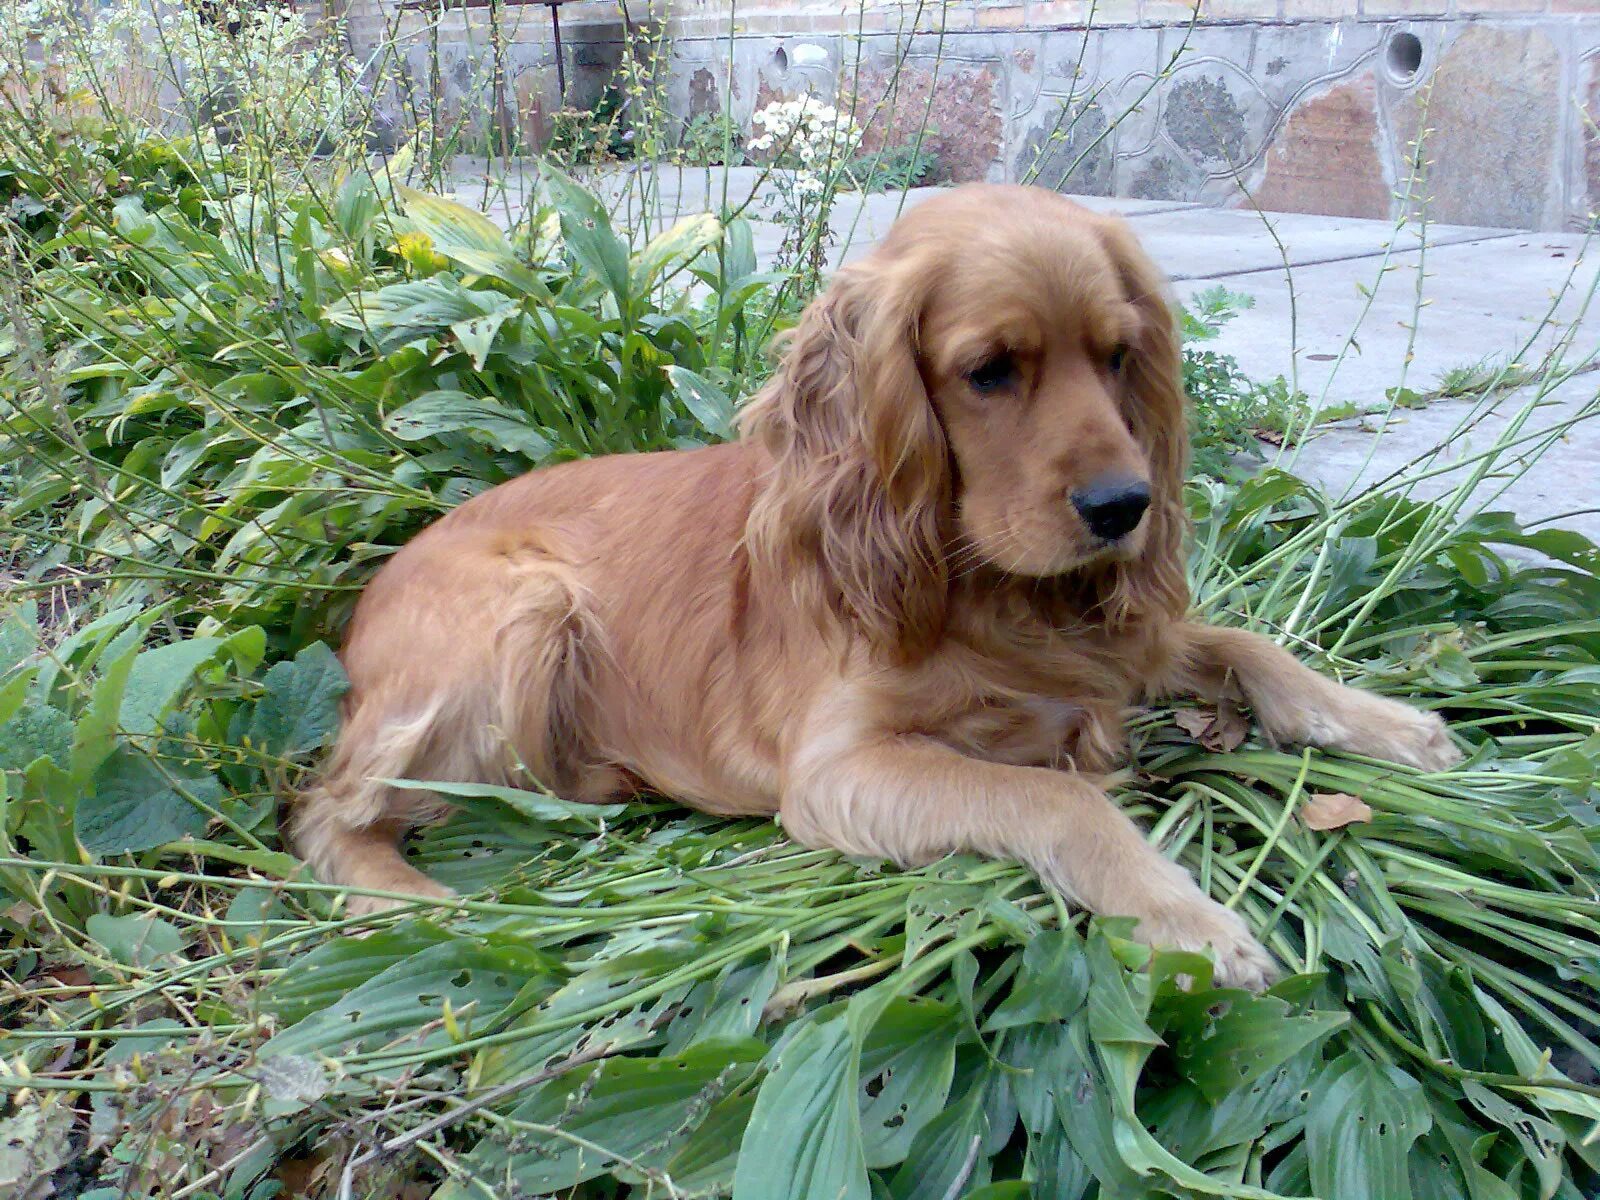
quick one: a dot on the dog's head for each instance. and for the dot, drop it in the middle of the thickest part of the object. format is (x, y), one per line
(997, 385)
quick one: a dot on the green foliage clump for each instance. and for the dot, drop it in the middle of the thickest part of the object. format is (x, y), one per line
(1229, 413)
(710, 140)
(892, 169)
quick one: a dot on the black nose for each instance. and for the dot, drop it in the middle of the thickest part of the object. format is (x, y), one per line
(1111, 508)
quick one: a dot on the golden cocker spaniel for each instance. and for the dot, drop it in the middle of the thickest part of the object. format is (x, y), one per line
(906, 611)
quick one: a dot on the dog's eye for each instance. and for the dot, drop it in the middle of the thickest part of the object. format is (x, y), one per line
(1000, 371)
(1119, 356)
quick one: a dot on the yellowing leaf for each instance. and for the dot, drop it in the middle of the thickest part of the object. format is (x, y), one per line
(1333, 810)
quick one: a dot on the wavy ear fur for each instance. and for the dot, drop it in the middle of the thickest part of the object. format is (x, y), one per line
(1156, 584)
(854, 511)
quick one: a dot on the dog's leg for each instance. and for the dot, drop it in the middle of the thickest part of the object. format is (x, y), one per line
(912, 799)
(1296, 704)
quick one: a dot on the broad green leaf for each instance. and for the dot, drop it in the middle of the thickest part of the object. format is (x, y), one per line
(341, 964)
(688, 238)
(1230, 1039)
(1361, 1122)
(907, 1060)
(445, 412)
(586, 229)
(945, 1150)
(615, 1116)
(536, 806)
(448, 224)
(300, 708)
(1052, 983)
(140, 802)
(158, 677)
(95, 734)
(35, 731)
(135, 941)
(705, 401)
(477, 335)
(477, 980)
(804, 1137)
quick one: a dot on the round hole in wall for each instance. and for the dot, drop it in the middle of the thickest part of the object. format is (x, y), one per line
(1404, 56)
(780, 59)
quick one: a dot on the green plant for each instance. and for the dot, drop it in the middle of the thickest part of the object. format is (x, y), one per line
(591, 135)
(893, 169)
(262, 404)
(1229, 413)
(711, 140)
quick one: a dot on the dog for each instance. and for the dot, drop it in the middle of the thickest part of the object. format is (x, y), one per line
(905, 612)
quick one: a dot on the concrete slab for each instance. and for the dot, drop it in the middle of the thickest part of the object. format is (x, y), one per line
(1429, 450)
(1217, 243)
(1508, 297)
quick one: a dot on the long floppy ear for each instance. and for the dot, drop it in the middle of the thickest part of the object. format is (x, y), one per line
(853, 513)
(1156, 583)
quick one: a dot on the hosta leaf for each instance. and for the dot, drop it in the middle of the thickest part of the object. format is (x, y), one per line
(615, 1117)
(1361, 1122)
(477, 335)
(477, 980)
(1542, 1141)
(945, 1151)
(338, 966)
(1229, 1039)
(445, 412)
(301, 706)
(1052, 983)
(689, 237)
(586, 229)
(804, 1137)
(907, 1060)
(449, 224)
(705, 401)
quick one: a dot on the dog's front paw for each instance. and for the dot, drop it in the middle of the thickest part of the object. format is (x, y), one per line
(1203, 925)
(1398, 733)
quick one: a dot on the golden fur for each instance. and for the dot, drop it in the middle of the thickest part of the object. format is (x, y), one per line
(878, 614)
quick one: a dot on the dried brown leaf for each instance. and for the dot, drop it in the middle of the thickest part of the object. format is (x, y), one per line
(1323, 811)
(1220, 729)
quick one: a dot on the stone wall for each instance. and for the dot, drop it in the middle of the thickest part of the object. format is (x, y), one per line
(1297, 105)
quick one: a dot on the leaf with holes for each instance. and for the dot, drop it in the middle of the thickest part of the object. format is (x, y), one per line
(1226, 1040)
(624, 1117)
(1361, 1122)
(342, 964)
(477, 979)
(907, 1060)
(945, 1158)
